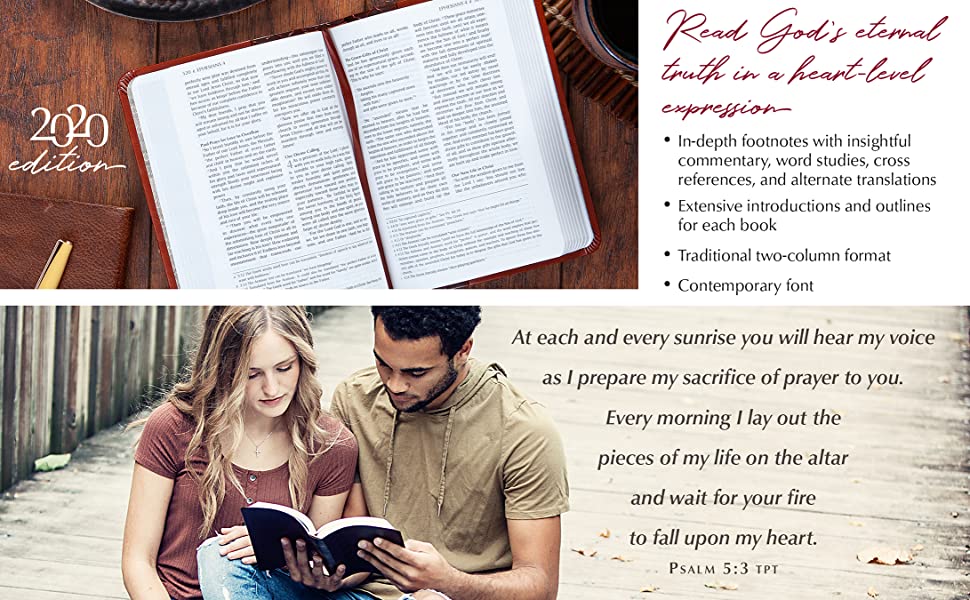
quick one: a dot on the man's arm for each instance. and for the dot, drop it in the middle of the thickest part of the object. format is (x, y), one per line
(534, 574)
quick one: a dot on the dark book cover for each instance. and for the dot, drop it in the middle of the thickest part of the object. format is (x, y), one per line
(336, 542)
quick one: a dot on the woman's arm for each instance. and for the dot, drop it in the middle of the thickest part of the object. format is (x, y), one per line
(147, 507)
(324, 509)
(356, 506)
(329, 508)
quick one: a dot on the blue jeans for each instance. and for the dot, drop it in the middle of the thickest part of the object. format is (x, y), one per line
(224, 579)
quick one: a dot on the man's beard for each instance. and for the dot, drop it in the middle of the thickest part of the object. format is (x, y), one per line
(439, 388)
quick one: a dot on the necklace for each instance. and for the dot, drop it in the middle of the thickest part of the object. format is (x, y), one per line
(253, 442)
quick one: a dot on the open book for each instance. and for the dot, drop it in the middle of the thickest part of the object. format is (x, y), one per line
(418, 147)
(336, 542)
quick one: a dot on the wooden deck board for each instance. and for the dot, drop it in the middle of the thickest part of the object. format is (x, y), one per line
(906, 478)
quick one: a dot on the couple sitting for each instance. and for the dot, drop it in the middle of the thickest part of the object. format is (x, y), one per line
(449, 452)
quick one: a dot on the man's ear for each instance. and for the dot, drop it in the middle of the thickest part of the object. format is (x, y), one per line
(461, 357)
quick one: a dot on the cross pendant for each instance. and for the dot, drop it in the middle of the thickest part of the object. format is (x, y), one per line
(257, 451)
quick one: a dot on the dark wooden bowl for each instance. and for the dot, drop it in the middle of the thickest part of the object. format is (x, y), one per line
(593, 37)
(173, 10)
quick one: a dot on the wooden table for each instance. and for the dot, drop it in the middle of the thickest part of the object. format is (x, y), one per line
(55, 54)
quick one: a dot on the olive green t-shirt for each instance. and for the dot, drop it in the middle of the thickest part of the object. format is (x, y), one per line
(456, 472)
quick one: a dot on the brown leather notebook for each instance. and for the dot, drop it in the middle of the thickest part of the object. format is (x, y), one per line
(30, 226)
(462, 185)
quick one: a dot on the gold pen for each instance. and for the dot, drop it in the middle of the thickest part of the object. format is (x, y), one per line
(50, 278)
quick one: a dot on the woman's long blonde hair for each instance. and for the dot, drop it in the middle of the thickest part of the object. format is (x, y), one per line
(213, 396)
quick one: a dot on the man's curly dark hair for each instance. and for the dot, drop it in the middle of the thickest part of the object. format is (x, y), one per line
(453, 325)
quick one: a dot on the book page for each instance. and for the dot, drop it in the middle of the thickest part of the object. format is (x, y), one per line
(454, 163)
(254, 172)
(328, 528)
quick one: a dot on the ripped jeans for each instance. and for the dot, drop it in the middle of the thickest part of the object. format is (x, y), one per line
(224, 579)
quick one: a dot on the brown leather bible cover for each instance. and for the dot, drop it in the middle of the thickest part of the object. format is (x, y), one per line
(29, 228)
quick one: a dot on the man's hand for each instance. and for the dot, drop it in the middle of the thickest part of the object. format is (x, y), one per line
(298, 564)
(419, 566)
(414, 566)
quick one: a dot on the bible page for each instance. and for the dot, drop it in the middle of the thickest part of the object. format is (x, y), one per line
(455, 165)
(253, 170)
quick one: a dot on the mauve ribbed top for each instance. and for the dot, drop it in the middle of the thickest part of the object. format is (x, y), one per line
(161, 450)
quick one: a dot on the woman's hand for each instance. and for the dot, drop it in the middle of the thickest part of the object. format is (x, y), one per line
(301, 571)
(236, 544)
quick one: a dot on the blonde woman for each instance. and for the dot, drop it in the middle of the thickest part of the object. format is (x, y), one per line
(244, 426)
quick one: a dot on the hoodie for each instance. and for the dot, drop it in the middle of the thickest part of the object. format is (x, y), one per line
(452, 475)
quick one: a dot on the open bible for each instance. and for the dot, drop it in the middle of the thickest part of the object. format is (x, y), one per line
(418, 147)
(335, 542)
